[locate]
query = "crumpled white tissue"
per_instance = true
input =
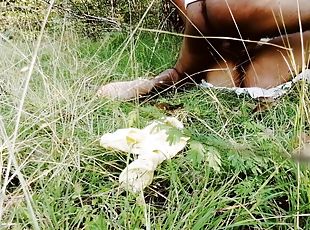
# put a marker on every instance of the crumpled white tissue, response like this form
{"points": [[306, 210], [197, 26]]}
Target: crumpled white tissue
{"points": [[256, 92], [152, 147]]}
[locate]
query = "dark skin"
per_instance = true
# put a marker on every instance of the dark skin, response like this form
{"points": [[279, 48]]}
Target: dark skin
{"points": [[227, 62]]}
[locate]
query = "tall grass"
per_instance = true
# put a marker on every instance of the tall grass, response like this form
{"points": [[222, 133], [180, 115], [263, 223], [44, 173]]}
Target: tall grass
{"points": [[63, 179]]}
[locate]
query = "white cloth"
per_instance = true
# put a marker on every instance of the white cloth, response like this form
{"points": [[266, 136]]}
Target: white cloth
{"points": [[152, 145], [256, 92], [187, 2]]}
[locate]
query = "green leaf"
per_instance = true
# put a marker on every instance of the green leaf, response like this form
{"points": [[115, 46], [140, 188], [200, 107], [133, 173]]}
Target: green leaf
{"points": [[214, 159], [174, 135], [196, 153]]}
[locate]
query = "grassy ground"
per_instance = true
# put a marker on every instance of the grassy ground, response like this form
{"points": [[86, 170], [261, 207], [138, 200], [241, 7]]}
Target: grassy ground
{"points": [[56, 176]]}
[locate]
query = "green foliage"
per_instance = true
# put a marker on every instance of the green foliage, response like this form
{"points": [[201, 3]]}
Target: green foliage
{"points": [[104, 14], [90, 17], [196, 153], [235, 174], [23, 15]]}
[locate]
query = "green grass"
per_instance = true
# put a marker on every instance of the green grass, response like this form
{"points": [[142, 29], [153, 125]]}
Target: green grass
{"points": [[73, 181]]}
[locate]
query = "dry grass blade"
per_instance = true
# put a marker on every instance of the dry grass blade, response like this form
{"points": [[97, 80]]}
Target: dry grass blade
{"points": [[216, 38], [11, 143]]}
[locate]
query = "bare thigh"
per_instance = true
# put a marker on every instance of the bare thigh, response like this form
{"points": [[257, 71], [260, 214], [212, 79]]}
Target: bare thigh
{"points": [[271, 66], [223, 74], [224, 70]]}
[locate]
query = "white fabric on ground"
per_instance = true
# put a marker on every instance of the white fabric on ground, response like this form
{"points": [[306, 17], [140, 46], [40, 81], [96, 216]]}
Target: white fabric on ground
{"points": [[256, 92], [152, 147]]}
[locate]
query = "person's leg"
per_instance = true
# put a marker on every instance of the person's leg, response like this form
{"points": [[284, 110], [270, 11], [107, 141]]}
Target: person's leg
{"points": [[255, 19], [223, 74], [272, 66], [224, 70], [194, 57]]}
